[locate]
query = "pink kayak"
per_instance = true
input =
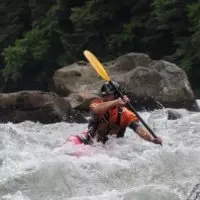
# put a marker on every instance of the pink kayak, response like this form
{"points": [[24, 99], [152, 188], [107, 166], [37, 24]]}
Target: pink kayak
{"points": [[76, 139]]}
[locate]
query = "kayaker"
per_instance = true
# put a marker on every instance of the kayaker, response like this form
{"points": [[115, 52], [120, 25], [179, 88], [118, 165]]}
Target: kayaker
{"points": [[109, 116]]}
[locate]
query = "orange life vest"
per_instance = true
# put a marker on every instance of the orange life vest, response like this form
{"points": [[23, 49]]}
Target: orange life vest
{"points": [[113, 122]]}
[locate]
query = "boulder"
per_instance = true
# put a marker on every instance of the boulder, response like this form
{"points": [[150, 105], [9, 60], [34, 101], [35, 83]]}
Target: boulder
{"points": [[174, 114], [36, 106], [75, 78], [147, 82]]}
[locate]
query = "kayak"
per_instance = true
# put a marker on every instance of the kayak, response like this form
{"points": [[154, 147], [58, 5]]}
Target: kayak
{"points": [[74, 146], [76, 139]]}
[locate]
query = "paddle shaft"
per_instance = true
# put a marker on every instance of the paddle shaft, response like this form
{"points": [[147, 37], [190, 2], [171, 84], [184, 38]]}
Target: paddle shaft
{"points": [[133, 109]]}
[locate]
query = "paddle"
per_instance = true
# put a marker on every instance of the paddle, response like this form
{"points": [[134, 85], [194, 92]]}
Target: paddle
{"points": [[103, 74]]}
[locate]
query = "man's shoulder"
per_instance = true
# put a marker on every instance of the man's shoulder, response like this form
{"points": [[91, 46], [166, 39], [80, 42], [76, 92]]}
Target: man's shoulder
{"points": [[96, 101]]}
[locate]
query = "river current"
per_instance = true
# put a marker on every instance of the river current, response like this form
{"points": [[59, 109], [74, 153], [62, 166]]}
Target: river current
{"points": [[36, 163]]}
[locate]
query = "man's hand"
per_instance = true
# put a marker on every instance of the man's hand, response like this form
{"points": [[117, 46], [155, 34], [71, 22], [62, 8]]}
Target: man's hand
{"points": [[126, 99], [157, 140], [122, 102]]}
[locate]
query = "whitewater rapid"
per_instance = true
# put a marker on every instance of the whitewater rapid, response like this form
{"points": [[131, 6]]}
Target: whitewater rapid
{"points": [[35, 164]]}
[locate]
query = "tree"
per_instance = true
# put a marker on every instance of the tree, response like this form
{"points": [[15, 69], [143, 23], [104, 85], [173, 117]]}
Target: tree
{"points": [[37, 37], [189, 49], [33, 56]]}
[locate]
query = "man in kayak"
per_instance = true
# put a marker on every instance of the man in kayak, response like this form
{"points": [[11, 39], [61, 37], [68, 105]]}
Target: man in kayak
{"points": [[109, 116]]}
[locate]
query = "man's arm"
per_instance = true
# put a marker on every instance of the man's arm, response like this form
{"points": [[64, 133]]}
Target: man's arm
{"points": [[103, 107], [143, 133]]}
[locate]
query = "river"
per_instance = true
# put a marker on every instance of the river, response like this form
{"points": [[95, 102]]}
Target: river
{"points": [[35, 164]]}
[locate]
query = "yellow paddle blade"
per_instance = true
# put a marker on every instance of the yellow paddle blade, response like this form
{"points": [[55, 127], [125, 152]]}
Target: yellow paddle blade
{"points": [[98, 67]]}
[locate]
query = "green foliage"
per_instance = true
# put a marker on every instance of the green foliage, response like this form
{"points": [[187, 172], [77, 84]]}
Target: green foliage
{"points": [[35, 46], [14, 58], [32, 46], [189, 48], [194, 17], [36, 36]]}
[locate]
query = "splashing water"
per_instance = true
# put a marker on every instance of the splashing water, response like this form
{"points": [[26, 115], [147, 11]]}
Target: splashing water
{"points": [[35, 163]]}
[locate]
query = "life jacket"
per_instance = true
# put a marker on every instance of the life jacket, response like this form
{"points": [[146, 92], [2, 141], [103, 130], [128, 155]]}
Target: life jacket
{"points": [[102, 128]]}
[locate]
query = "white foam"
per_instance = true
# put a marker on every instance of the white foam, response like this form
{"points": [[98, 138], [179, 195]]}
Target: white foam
{"points": [[35, 163]]}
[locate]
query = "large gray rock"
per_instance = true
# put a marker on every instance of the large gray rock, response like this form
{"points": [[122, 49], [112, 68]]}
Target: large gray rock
{"points": [[36, 106], [147, 82], [78, 83], [75, 78]]}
